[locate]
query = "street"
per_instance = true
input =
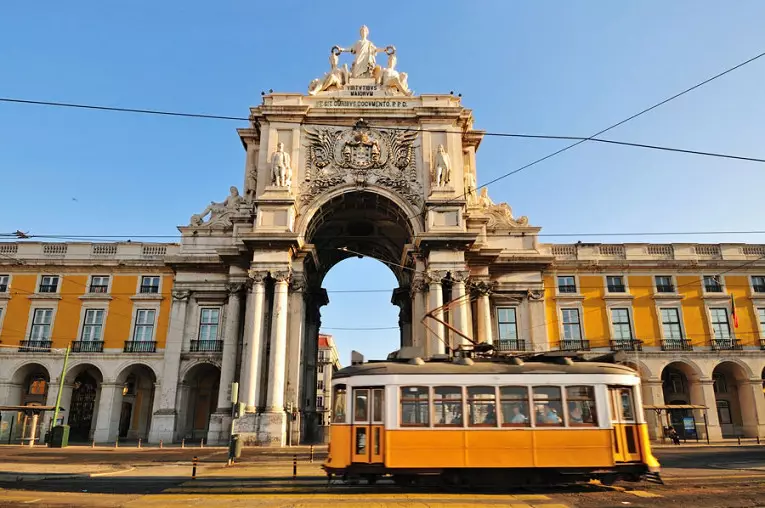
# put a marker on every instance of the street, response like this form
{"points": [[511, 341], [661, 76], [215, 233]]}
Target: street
{"points": [[79, 476]]}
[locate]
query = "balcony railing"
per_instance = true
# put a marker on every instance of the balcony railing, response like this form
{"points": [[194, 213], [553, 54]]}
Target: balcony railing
{"points": [[88, 346], [616, 288], [713, 288], [574, 345], [3, 288], [762, 344], [34, 346], [140, 346], [665, 288], [726, 344], [149, 289], [758, 288], [566, 288], [627, 345], [676, 345], [206, 346], [99, 288], [48, 288], [511, 345]]}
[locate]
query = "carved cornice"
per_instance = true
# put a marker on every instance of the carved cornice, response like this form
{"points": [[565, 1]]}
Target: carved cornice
{"points": [[482, 288]]}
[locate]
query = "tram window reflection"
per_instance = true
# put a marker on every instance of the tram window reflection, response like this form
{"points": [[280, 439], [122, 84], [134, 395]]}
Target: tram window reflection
{"points": [[581, 406], [414, 406], [482, 406], [447, 406], [548, 409], [514, 401], [338, 403]]}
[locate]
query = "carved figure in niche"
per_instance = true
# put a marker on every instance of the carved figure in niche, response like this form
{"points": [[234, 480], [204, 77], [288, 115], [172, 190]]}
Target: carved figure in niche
{"points": [[390, 79], [336, 78], [251, 184], [281, 171], [442, 170], [470, 187], [219, 212], [365, 55]]}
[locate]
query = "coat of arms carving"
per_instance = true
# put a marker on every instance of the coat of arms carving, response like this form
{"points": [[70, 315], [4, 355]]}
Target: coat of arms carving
{"points": [[361, 155]]}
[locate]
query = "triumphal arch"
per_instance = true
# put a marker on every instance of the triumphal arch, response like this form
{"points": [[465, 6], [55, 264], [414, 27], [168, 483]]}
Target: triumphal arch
{"points": [[360, 165]]}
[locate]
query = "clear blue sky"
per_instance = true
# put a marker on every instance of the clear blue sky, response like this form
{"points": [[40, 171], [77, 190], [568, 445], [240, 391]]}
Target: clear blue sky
{"points": [[541, 67]]}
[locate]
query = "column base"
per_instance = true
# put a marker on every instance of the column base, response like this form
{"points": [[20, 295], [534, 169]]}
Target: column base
{"points": [[263, 429], [162, 427], [219, 429]]}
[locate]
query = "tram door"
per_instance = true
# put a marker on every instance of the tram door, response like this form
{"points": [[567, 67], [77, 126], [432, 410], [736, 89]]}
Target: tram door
{"points": [[624, 423], [368, 431]]}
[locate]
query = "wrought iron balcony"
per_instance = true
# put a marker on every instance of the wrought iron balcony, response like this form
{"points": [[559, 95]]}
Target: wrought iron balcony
{"points": [[140, 346], [99, 288], [676, 345], [758, 288], [206, 346], [510, 345], [762, 344], [566, 288], [726, 344], [34, 346], [627, 345], [574, 345], [617, 288], [3, 288], [665, 288], [48, 288], [149, 289], [88, 346]]}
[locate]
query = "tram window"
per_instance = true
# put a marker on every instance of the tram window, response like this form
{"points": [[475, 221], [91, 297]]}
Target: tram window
{"points": [[414, 406], [360, 405], [547, 406], [625, 399], [581, 406], [377, 406], [515, 406], [447, 406], [338, 402], [482, 406]]}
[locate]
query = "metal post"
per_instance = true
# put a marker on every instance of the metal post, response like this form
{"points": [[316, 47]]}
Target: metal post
{"points": [[234, 402], [183, 443], [706, 427], [93, 444], [117, 442], [311, 454], [739, 440], [294, 467], [194, 468], [202, 443], [61, 384], [139, 442], [161, 444]]}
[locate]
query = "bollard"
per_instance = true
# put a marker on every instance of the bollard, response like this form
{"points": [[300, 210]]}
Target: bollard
{"points": [[117, 442], [183, 443], [93, 444], [139, 442], [161, 444], [202, 443], [758, 439], [294, 467], [311, 454], [739, 440], [194, 468]]}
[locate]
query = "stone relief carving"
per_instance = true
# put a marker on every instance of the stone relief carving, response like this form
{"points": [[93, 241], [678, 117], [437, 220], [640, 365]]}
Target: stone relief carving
{"points": [[481, 288], [442, 172], [535, 294], [418, 285], [363, 156], [297, 284], [500, 215], [281, 170], [220, 213], [460, 275], [251, 184]]}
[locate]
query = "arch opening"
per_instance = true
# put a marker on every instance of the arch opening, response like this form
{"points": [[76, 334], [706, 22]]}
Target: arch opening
{"points": [[198, 397], [680, 385], [730, 398], [133, 411]]}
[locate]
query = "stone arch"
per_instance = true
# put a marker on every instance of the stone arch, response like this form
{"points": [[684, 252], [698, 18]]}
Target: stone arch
{"points": [[730, 382], [132, 411], [83, 383], [198, 398], [78, 368], [641, 368], [30, 384], [681, 384], [191, 365]]}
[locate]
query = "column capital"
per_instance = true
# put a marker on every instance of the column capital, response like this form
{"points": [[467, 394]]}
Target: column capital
{"points": [[297, 283], [181, 295], [257, 276], [418, 285], [481, 287], [435, 276], [282, 275], [459, 276], [235, 287]]}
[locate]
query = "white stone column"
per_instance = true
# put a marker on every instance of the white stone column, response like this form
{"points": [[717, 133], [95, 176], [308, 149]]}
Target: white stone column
{"points": [[249, 387], [230, 340], [752, 403], [294, 353], [163, 421], [106, 421], [460, 307], [275, 397], [483, 319], [436, 338], [703, 393], [418, 295]]}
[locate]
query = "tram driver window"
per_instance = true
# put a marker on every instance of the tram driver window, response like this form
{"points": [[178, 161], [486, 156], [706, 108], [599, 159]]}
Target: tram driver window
{"points": [[548, 410], [581, 406], [515, 406], [447, 406], [338, 402], [414, 406], [482, 406]]}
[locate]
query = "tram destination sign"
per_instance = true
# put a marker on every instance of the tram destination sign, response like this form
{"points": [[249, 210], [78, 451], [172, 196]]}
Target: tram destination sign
{"points": [[363, 103]]}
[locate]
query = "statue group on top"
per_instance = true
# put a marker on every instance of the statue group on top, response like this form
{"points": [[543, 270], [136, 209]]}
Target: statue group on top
{"points": [[220, 213], [364, 65]]}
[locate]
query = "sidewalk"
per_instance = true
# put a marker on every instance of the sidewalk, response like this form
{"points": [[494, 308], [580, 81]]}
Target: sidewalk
{"points": [[702, 443]]}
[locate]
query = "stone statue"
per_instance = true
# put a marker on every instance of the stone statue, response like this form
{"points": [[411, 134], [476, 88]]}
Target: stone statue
{"points": [[390, 79], [365, 53], [470, 187], [251, 184], [219, 212], [336, 78], [442, 170], [484, 200], [280, 167]]}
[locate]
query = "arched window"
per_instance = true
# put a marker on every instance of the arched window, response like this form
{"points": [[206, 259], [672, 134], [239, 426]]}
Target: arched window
{"points": [[723, 412]]}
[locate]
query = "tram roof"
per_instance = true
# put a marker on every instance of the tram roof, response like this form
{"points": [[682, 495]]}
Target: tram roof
{"points": [[478, 366]]}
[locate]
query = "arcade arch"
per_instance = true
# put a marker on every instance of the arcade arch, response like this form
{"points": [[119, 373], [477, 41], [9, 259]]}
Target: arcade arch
{"points": [[198, 397], [82, 388], [135, 385]]}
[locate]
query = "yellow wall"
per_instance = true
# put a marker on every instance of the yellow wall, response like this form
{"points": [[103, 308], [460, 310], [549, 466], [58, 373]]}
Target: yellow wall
{"points": [[594, 315], [551, 311], [17, 309], [646, 322]]}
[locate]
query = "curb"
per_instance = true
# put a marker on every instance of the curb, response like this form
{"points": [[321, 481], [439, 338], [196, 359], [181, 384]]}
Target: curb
{"points": [[6, 476]]}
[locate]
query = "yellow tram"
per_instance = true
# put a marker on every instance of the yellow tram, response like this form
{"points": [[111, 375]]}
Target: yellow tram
{"points": [[489, 421]]}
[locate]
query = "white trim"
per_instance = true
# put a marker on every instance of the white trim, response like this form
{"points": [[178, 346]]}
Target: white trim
{"points": [[110, 279], [144, 306], [517, 309], [714, 294], [199, 309], [750, 277], [94, 305], [673, 295], [3, 312], [710, 329], [609, 311], [139, 283], [671, 305], [574, 304], [6, 295], [625, 283], [42, 305], [577, 294]]}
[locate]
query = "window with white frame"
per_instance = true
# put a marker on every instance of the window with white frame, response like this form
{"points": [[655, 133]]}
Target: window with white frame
{"points": [[670, 322], [92, 328], [758, 283], [572, 329], [566, 284], [620, 321], [320, 368], [507, 326], [209, 319], [150, 284], [99, 284], [48, 284], [615, 284], [4, 283], [712, 284], [761, 313], [41, 324], [320, 384], [664, 284], [144, 325], [320, 402], [720, 325]]}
